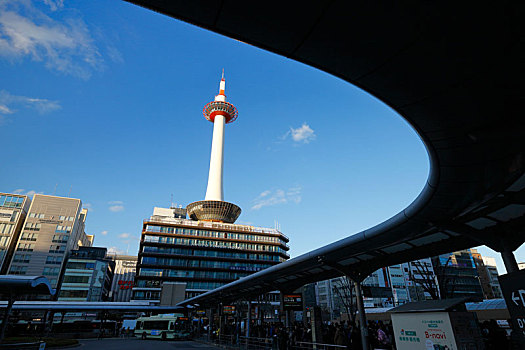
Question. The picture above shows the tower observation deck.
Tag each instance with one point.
(213, 207)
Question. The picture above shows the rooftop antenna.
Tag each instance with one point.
(222, 74)
(69, 193)
(171, 201)
(55, 190)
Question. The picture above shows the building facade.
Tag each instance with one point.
(457, 275)
(421, 280)
(53, 227)
(203, 254)
(13, 212)
(123, 278)
(88, 275)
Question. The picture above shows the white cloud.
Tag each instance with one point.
(104, 233)
(29, 193)
(88, 206)
(54, 4)
(9, 103)
(123, 235)
(115, 250)
(67, 47)
(303, 134)
(279, 196)
(116, 206)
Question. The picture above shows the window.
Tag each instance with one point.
(22, 258)
(73, 293)
(6, 229)
(60, 238)
(54, 260)
(63, 229)
(57, 248)
(18, 270)
(4, 240)
(51, 271)
(36, 215)
(29, 236)
(25, 247)
(11, 201)
(76, 279)
(76, 265)
(32, 226)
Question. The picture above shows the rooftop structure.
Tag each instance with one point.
(213, 207)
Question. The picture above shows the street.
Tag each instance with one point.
(139, 344)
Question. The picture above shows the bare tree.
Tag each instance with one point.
(345, 291)
(425, 279)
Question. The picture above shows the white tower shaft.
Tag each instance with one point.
(214, 190)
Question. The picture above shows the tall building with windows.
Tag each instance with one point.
(124, 277)
(203, 254)
(88, 275)
(488, 275)
(13, 211)
(457, 275)
(53, 227)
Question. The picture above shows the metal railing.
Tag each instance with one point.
(217, 225)
(254, 343)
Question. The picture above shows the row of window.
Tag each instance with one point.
(64, 293)
(29, 236)
(212, 253)
(192, 274)
(4, 240)
(77, 265)
(6, 229)
(54, 248)
(11, 201)
(36, 215)
(18, 270)
(214, 234)
(63, 229)
(60, 238)
(32, 226)
(76, 279)
(203, 263)
(51, 271)
(209, 243)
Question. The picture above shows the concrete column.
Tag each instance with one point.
(362, 315)
(510, 261)
(249, 319)
(210, 323)
(214, 190)
(7, 312)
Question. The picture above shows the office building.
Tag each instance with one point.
(203, 254)
(123, 278)
(88, 275)
(457, 275)
(488, 275)
(13, 211)
(53, 227)
(207, 250)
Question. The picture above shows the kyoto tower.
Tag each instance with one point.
(213, 207)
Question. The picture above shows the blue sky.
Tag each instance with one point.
(102, 101)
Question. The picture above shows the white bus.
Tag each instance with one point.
(172, 326)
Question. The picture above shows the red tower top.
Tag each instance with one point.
(219, 106)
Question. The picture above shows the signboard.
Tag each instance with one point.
(423, 331)
(228, 309)
(293, 302)
(125, 284)
(513, 288)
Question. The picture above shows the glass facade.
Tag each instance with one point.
(205, 258)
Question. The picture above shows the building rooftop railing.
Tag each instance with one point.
(215, 225)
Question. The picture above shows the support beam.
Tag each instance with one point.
(7, 312)
(510, 261)
(362, 315)
(249, 319)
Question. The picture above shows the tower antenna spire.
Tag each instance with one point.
(222, 74)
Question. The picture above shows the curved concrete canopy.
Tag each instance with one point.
(19, 285)
(454, 71)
